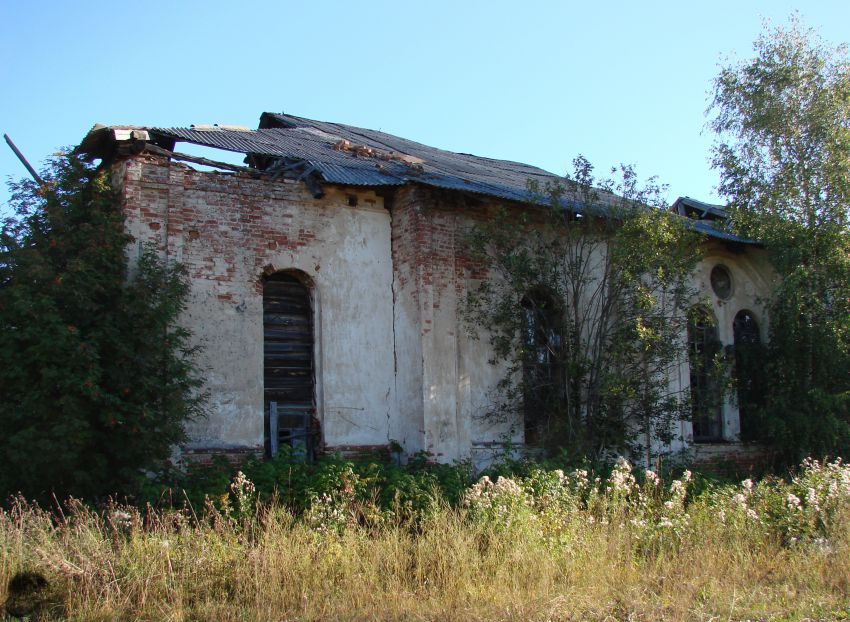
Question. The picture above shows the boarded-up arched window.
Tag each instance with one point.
(703, 347)
(289, 383)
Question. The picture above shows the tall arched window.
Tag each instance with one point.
(703, 347)
(748, 363)
(289, 384)
(543, 381)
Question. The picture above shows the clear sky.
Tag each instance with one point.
(537, 82)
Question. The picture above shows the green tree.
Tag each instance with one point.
(783, 151)
(96, 377)
(584, 306)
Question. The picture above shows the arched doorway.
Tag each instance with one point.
(288, 365)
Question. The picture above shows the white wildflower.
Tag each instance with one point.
(832, 491)
(811, 465)
(621, 477)
(506, 485)
(581, 478)
(812, 499)
(623, 464)
(121, 516)
(122, 519)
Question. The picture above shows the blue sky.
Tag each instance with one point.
(536, 82)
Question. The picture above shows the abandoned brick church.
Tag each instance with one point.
(326, 278)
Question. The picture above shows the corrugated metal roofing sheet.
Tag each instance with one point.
(320, 144)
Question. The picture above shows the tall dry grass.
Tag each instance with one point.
(513, 552)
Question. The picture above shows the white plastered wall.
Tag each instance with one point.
(228, 231)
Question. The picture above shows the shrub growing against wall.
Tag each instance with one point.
(96, 377)
(585, 308)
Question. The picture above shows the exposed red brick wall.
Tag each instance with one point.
(733, 460)
(206, 456)
(235, 456)
(408, 237)
(359, 452)
(429, 226)
(213, 222)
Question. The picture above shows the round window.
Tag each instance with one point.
(721, 282)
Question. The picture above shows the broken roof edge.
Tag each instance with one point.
(496, 179)
(710, 219)
(100, 140)
(683, 204)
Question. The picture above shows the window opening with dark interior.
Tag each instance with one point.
(543, 383)
(749, 360)
(703, 348)
(289, 381)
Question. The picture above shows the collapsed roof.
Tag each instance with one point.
(321, 152)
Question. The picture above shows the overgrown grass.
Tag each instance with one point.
(544, 546)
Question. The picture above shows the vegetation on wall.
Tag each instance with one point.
(96, 377)
(584, 309)
(783, 151)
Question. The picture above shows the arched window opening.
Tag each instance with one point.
(288, 374)
(543, 384)
(748, 363)
(703, 347)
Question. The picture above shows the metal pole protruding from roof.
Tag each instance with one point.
(23, 160)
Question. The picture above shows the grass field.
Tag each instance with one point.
(546, 546)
